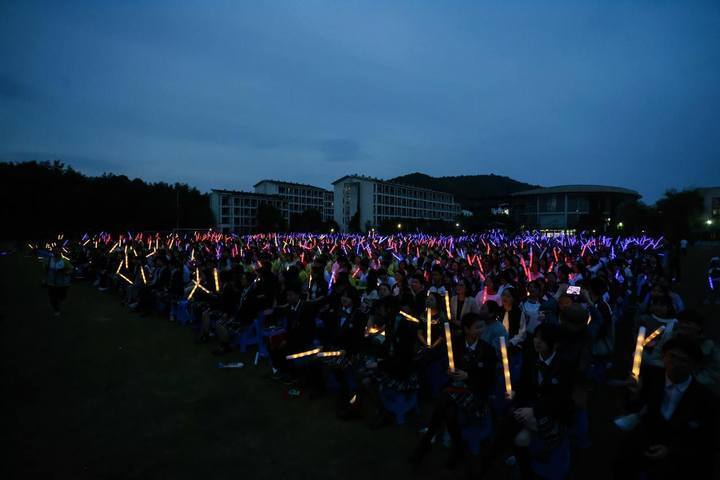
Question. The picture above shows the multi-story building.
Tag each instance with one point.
(377, 200)
(569, 206)
(299, 197)
(711, 204)
(237, 212)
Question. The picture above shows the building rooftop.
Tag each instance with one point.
(380, 180)
(248, 194)
(577, 189)
(283, 182)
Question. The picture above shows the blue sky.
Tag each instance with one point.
(222, 94)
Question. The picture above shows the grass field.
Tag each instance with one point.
(104, 393)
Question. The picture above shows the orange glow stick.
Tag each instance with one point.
(637, 359)
(506, 367)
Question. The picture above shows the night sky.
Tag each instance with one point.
(222, 94)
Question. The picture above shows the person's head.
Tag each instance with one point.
(690, 323)
(508, 299)
(293, 294)
(436, 275)
(574, 317)
(546, 338)
(473, 326)
(680, 355)
(564, 301)
(461, 289)
(597, 287)
(492, 308)
(384, 290)
(346, 299)
(490, 283)
(433, 301)
(662, 307)
(416, 283)
(535, 289)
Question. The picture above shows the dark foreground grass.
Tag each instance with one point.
(104, 393)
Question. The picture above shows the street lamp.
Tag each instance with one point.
(399, 226)
(332, 230)
(708, 222)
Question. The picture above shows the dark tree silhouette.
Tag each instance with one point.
(42, 198)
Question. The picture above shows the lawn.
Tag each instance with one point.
(103, 393)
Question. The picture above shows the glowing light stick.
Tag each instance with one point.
(192, 292)
(113, 248)
(506, 367)
(429, 327)
(126, 258)
(447, 305)
(119, 267)
(142, 272)
(409, 317)
(653, 335)
(125, 278)
(304, 354)
(330, 354)
(217, 280)
(637, 359)
(202, 288)
(448, 342)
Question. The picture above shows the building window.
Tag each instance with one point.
(552, 203)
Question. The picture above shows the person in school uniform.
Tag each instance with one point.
(676, 436)
(466, 398)
(462, 304)
(542, 399)
(300, 331)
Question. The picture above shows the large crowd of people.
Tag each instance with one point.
(534, 324)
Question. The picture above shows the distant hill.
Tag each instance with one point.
(471, 191)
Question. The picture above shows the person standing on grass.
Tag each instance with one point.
(57, 279)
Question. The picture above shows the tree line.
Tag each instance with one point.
(38, 199)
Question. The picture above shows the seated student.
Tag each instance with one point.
(676, 434)
(493, 328)
(690, 325)
(395, 368)
(512, 318)
(343, 331)
(472, 381)
(462, 303)
(660, 314)
(542, 398)
(488, 293)
(300, 331)
(431, 348)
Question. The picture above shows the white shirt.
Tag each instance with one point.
(546, 362)
(506, 321)
(672, 397)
